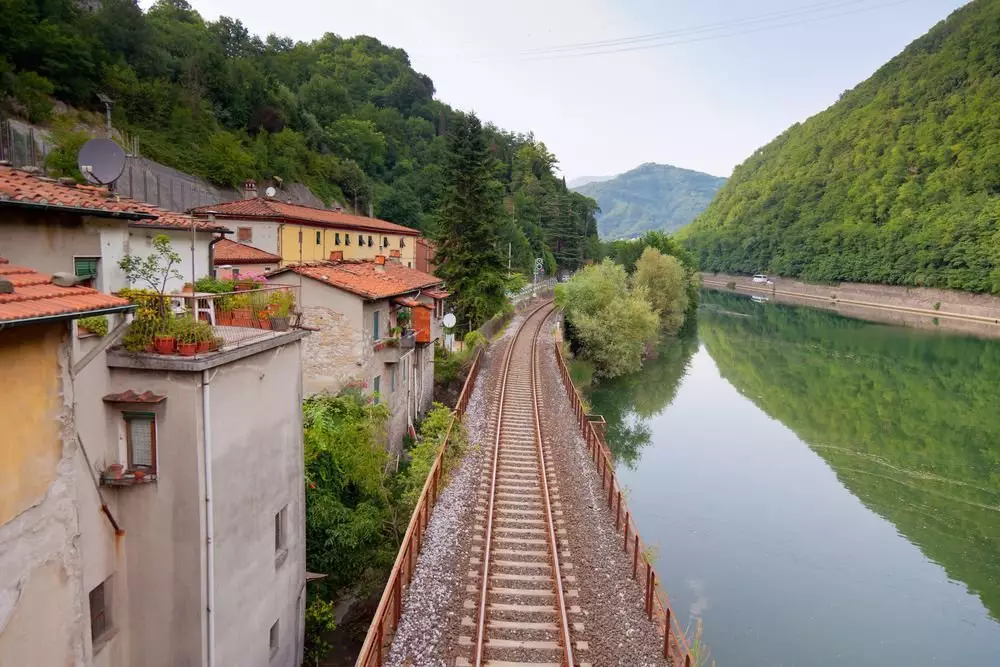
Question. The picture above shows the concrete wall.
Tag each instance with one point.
(265, 234)
(244, 269)
(42, 609)
(49, 241)
(141, 245)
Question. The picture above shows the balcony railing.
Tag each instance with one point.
(193, 324)
(402, 340)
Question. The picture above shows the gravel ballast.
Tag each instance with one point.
(615, 631)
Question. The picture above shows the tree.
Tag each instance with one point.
(609, 323)
(154, 270)
(662, 279)
(468, 257)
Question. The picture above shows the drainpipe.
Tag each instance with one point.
(206, 420)
(211, 253)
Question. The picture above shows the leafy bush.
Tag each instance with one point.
(472, 340)
(34, 92)
(61, 161)
(97, 324)
(226, 162)
(661, 277)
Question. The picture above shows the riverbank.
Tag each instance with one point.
(919, 307)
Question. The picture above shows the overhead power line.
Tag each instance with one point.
(720, 30)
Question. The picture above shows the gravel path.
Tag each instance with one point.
(611, 603)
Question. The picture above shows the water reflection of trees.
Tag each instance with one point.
(909, 421)
(629, 401)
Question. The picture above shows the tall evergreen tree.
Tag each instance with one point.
(468, 254)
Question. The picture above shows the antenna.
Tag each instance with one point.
(101, 161)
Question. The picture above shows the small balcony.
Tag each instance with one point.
(193, 326)
(389, 349)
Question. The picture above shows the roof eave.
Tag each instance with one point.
(405, 231)
(94, 212)
(213, 230)
(47, 319)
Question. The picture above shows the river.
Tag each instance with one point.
(820, 490)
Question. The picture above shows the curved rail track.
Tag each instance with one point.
(522, 615)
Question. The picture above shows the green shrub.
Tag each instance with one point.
(472, 340)
(95, 325)
(34, 93)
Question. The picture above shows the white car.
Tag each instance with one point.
(761, 279)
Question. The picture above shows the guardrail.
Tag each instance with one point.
(390, 607)
(675, 645)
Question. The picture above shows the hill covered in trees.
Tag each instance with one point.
(898, 182)
(651, 197)
(349, 117)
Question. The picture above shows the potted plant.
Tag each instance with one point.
(242, 312)
(217, 344)
(164, 341)
(224, 310)
(281, 309)
(205, 335)
(263, 319)
(187, 337)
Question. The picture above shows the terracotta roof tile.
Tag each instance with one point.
(36, 296)
(129, 396)
(364, 279)
(24, 189)
(272, 209)
(437, 293)
(231, 252)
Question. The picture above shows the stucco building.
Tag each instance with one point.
(151, 507)
(376, 324)
(300, 234)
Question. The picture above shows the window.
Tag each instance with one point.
(86, 267)
(361, 239)
(385, 241)
(272, 639)
(369, 242)
(409, 265)
(100, 612)
(377, 386)
(244, 234)
(402, 242)
(319, 237)
(140, 439)
(392, 378)
(280, 536)
(347, 239)
(236, 272)
(336, 239)
(375, 319)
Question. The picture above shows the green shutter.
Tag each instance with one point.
(85, 267)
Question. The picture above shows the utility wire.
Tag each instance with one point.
(707, 27)
(587, 51)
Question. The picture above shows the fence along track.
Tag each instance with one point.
(522, 612)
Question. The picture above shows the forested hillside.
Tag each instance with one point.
(348, 117)
(898, 182)
(651, 197)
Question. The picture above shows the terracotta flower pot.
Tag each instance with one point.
(164, 344)
(187, 349)
(224, 318)
(204, 346)
(242, 317)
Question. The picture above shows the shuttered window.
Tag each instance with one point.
(140, 436)
(244, 234)
(85, 267)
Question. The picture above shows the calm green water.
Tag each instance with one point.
(822, 491)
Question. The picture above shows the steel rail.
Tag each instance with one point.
(490, 507)
(543, 476)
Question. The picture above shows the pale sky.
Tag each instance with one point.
(727, 77)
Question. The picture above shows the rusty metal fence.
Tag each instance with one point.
(675, 646)
(390, 607)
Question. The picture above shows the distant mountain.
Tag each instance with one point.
(898, 182)
(651, 196)
(580, 181)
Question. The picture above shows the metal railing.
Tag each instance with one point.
(675, 646)
(390, 607)
(210, 322)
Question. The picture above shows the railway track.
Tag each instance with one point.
(521, 614)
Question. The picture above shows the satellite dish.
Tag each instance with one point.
(270, 192)
(449, 320)
(101, 161)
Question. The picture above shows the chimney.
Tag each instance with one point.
(380, 263)
(394, 256)
(249, 189)
(336, 255)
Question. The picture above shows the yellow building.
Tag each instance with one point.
(301, 234)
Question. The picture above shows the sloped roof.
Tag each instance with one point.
(35, 296)
(366, 278)
(272, 209)
(231, 252)
(19, 188)
(131, 396)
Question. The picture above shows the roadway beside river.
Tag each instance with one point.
(919, 307)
